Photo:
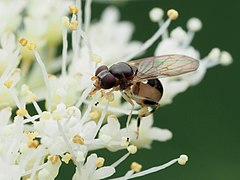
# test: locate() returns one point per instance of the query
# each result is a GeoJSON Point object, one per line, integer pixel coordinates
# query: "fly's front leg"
{"type": "Point", "coordinates": [128, 99]}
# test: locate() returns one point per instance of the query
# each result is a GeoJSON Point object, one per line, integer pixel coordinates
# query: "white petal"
{"type": "Point", "coordinates": [104, 172]}
{"type": "Point", "coordinates": [5, 115]}
{"type": "Point", "coordinates": [160, 134]}
{"type": "Point", "coordinates": [91, 163]}
{"type": "Point", "coordinates": [110, 15]}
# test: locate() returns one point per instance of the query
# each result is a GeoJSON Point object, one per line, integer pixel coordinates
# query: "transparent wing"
{"type": "Point", "coordinates": [164, 66]}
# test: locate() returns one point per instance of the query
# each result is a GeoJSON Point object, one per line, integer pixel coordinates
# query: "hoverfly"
{"type": "Point", "coordinates": [138, 81]}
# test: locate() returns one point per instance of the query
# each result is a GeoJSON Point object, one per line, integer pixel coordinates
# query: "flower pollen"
{"type": "Point", "coordinates": [136, 167]}
{"type": "Point", "coordinates": [78, 139]}
{"type": "Point", "coordinates": [73, 9]}
{"type": "Point", "coordinates": [172, 14]}
{"type": "Point", "coordinates": [53, 158]}
{"type": "Point", "coordinates": [100, 162]}
{"type": "Point", "coordinates": [66, 158]}
{"type": "Point", "coordinates": [22, 112]}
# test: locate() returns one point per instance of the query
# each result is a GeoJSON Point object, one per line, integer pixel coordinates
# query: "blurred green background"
{"type": "Point", "coordinates": [205, 119]}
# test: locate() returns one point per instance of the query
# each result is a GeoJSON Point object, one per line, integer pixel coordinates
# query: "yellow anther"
{"type": "Point", "coordinates": [66, 158]}
{"type": "Point", "coordinates": [94, 115]}
{"type": "Point", "coordinates": [8, 83]}
{"type": "Point", "coordinates": [136, 167]}
{"type": "Point", "coordinates": [23, 41]}
{"type": "Point", "coordinates": [78, 140]}
{"type": "Point", "coordinates": [100, 162]}
{"type": "Point", "coordinates": [31, 135]}
{"type": "Point", "coordinates": [46, 115]}
{"type": "Point", "coordinates": [132, 149]}
{"type": "Point", "coordinates": [31, 45]}
{"type": "Point", "coordinates": [22, 112]}
{"type": "Point", "coordinates": [53, 158]}
{"type": "Point", "coordinates": [33, 143]}
{"type": "Point", "coordinates": [73, 9]}
{"type": "Point", "coordinates": [51, 75]}
{"type": "Point", "coordinates": [172, 14]}
{"type": "Point", "coordinates": [96, 58]}
{"type": "Point", "coordinates": [73, 25]}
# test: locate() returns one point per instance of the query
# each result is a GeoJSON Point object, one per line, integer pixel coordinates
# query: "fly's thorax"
{"type": "Point", "coordinates": [122, 70]}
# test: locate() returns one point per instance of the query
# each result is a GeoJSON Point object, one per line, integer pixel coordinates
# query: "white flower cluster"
{"type": "Point", "coordinates": [70, 127]}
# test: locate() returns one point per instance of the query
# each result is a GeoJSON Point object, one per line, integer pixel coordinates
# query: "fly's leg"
{"type": "Point", "coordinates": [143, 112]}
{"type": "Point", "coordinates": [128, 99]}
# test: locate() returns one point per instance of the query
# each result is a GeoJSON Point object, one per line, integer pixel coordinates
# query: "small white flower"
{"type": "Point", "coordinates": [148, 134]}
{"type": "Point", "coordinates": [91, 172]}
{"type": "Point", "coordinates": [5, 115]}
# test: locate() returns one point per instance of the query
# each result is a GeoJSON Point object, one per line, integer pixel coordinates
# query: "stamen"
{"type": "Point", "coordinates": [132, 149]}
{"type": "Point", "coordinates": [86, 114]}
{"type": "Point", "coordinates": [99, 124]}
{"type": "Point", "coordinates": [36, 169]}
{"type": "Point", "coordinates": [156, 14]}
{"type": "Point", "coordinates": [150, 41]}
{"type": "Point", "coordinates": [64, 50]}
{"type": "Point", "coordinates": [78, 139]}
{"type": "Point", "coordinates": [66, 158]}
{"type": "Point", "coordinates": [172, 14]}
{"type": "Point", "coordinates": [45, 76]}
{"type": "Point", "coordinates": [87, 15]}
{"type": "Point", "coordinates": [37, 107]}
{"type": "Point", "coordinates": [112, 109]}
{"type": "Point", "coordinates": [136, 167]}
{"type": "Point", "coordinates": [22, 112]}
{"type": "Point", "coordinates": [182, 160]}
{"type": "Point", "coordinates": [153, 169]}
{"type": "Point", "coordinates": [15, 98]}
{"type": "Point", "coordinates": [73, 9]}
{"type": "Point", "coordinates": [119, 161]}
{"type": "Point", "coordinates": [193, 25]}
{"type": "Point", "coordinates": [53, 158]}
{"type": "Point", "coordinates": [31, 119]}
{"type": "Point", "coordinates": [79, 18]}
{"type": "Point", "coordinates": [225, 58]}
{"type": "Point", "coordinates": [69, 145]}
{"type": "Point", "coordinates": [33, 143]}
{"type": "Point", "coordinates": [100, 162]}
{"type": "Point", "coordinates": [83, 96]}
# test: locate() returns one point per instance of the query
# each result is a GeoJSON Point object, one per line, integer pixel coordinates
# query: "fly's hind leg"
{"type": "Point", "coordinates": [128, 99]}
{"type": "Point", "coordinates": [143, 112]}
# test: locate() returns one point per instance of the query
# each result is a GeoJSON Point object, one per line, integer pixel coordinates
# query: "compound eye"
{"type": "Point", "coordinates": [108, 81]}
{"type": "Point", "coordinates": [100, 69]}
